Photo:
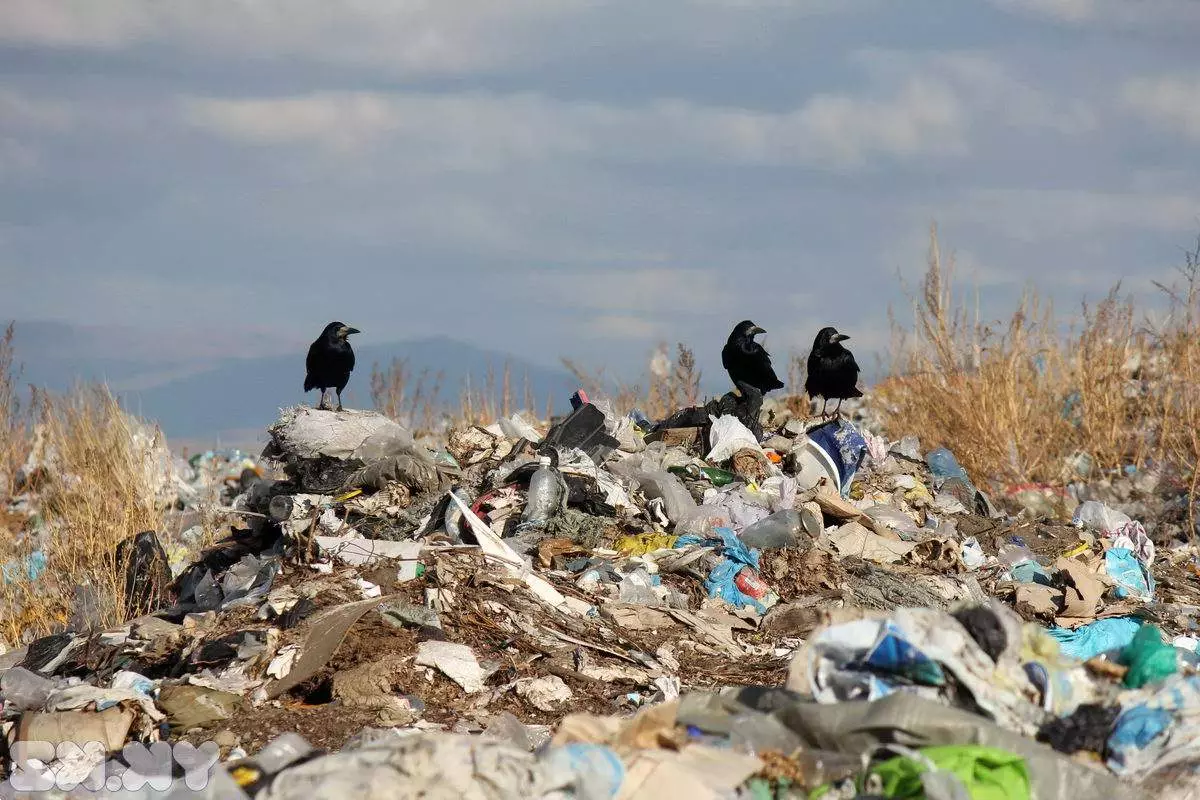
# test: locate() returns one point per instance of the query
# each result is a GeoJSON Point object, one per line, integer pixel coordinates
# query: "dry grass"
{"type": "Point", "coordinates": [396, 394]}
{"type": "Point", "coordinates": [101, 491]}
{"type": "Point", "coordinates": [674, 384]}
{"type": "Point", "coordinates": [1016, 400]}
{"type": "Point", "coordinates": [14, 417]}
{"type": "Point", "coordinates": [416, 400]}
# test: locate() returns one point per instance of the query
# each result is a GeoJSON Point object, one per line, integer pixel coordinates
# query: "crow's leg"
{"type": "Point", "coordinates": [321, 404]}
{"type": "Point", "coordinates": [339, 395]}
{"type": "Point", "coordinates": [837, 411]}
{"type": "Point", "coordinates": [824, 403]}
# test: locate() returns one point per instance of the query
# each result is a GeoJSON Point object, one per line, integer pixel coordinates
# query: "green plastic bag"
{"type": "Point", "coordinates": [988, 773]}
{"type": "Point", "coordinates": [1149, 658]}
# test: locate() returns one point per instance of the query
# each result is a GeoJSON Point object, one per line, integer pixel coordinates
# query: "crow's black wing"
{"type": "Point", "coordinates": [312, 365]}
{"type": "Point", "coordinates": [844, 364]}
{"type": "Point", "coordinates": [756, 366]}
{"type": "Point", "coordinates": [841, 372]}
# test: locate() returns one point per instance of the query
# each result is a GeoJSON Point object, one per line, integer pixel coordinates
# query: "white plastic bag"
{"type": "Point", "coordinates": [728, 435]}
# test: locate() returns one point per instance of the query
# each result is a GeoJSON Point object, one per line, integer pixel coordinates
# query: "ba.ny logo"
{"type": "Point", "coordinates": [72, 766]}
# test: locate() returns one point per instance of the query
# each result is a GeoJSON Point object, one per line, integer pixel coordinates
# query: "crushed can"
{"type": "Point", "coordinates": [749, 582]}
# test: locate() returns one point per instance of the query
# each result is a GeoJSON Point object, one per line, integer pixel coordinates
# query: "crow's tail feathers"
{"type": "Point", "coordinates": [308, 384]}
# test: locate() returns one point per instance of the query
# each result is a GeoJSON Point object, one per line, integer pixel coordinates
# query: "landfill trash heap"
{"type": "Point", "coordinates": [707, 607]}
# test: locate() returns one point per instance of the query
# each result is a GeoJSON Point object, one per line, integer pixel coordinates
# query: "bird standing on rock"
{"type": "Point", "coordinates": [749, 365]}
{"type": "Point", "coordinates": [330, 361]}
{"type": "Point", "coordinates": [832, 370]}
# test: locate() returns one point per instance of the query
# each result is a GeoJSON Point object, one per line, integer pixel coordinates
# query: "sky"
{"type": "Point", "coordinates": [568, 178]}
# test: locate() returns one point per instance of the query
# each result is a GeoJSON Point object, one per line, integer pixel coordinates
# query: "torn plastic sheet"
{"type": "Point", "coordinates": [915, 650]}
{"type": "Point", "coordinates": [248, 580]}
{"type": "Point", "coordinates": [1160, 730]}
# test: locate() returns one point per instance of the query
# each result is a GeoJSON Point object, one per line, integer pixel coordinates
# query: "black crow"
{"type": "Point", "coordinates": [330, 361]}
{"type": "Point", "coordinates": [747, 362]}
{"type": "Point", "coordinates": [832, 370]}
{"type": "Point", "coordinates": [749, 367]}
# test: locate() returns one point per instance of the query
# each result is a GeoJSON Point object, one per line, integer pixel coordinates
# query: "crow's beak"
{"type": "Point", "coordinates": [840, 337]}
{"type": "Point", "coordinates": [347, 330]}
{"type": "Point", "coordinates": [755, 331]}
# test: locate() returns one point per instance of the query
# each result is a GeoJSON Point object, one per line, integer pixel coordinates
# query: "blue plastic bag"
{"type": "Point", "coordinates": [944, 465]}
{"type": "Point", "coordinates": [1168, 719]}
{"type": "Point", "coordinates": [33, 565]}
{"type": "Point", "coordinates": [599, 770]}
{"type": "Point", "coordinates": [720, 582]}
{"type": "Point", "coordinates": [1101, 636]}
{"type": "Point", "coordinates": [894, 654]}
{"type": "Point", "coordinates": [1030, 572]}
{"type": "Point", "coordinates": [1131, 576]}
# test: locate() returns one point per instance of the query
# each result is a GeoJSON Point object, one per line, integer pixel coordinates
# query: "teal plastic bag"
{"type": "Point", "coordinates": [1148, 657]}
{"type": "Point", "coordinates": [1131, 576]}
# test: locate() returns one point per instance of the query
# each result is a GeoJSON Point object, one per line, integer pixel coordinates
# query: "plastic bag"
{"type": "Point", "coordinates": [895, 519]}
{"type": "Point", "coordinates": [1149, 658]}
{"type": "Point", "coordinates": [1095, 638]}
{"type": "Point", "coordinates": [517, 427]}
{"type": "Point", "coordinates": [727, 436]}
{"type": "Point", "coordinates": [781, 529]}
{"type": "Point", "coordinates": [1099, 517]}
{"type": "Point", "coordinates": [703, 522]}
{"type": "Point", "coordinates": [656, 482]}
{"type": "Point", "coordinates": [1131, 576]}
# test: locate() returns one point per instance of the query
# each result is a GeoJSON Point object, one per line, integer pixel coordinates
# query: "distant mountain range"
{"type": "Point", "coordinates": [232, 400]}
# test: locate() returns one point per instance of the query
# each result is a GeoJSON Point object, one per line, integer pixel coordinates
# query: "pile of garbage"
{"type": "Point", "coordinates": [708, 607]}
{"type": "Point", "coordinates": [196, 491]}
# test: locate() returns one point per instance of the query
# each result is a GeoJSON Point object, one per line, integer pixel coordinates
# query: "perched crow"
{"type": "Point", "coordinates": [747, 362]}
{"type": "Point", "coordinates": [330, 361]}
{"type": "Point", "coordinates": [832, 370]}
{"type": "Point", "coordinates": [749, 368]}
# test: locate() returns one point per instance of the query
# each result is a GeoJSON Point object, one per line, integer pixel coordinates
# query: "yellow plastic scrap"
{"type": "Point", "coordinates": [642, 543]}
{"type": "Point", "coordinates": [918, 493]}
{"type": "Point", "coordinates": [348, 495]}
{"type": "Point", "coordinates": [245, 775]}
{"type": "Point", "coordinates": [1078, 549]}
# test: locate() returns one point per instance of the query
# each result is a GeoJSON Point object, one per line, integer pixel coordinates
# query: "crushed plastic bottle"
{"type": "Point", "coordinates": [944, 465]}
{"type": "Point", "coordinates": [545, 494]}
{"type": "Point", "coordinates": [781, 529]}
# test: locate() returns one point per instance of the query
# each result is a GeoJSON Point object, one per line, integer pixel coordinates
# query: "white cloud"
{"type": "Point", "coordinates": [641, 292]}
{"type": "Point", "coordinates": [1170, 102]}
{"type": "Point", "coordinates": [1032, 215]}
{"type": "Point", "coordinates": [994, 92]}
{"type": "Point", "coordinates": [1164, 14]}
{"type": "Point", "coordinates": [20, 110]}
{"type": "Point", "coordinates": [479, 131]}
{"type": "Point", "coordinates": [625, 326]}
{"type": "Point", "coordinates": [1066, 10]}
{"type": "Point", "coordinates": [404, 37]}
{"type": "Point", "coordinates": [24, 120]}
